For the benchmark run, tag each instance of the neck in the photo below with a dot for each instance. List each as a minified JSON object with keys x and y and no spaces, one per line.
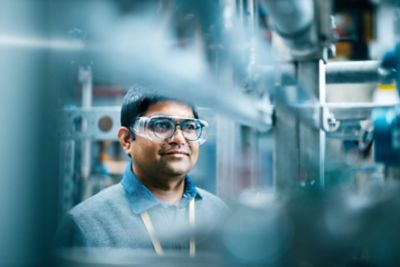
{"x":165,"y":188}
{"x":171,"y":194}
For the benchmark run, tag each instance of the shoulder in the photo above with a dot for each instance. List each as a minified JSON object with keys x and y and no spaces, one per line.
{"x":96,"y":220}
{"x":102,"y":202}
{"x":212,"y":211}
{"x":212,"y":200}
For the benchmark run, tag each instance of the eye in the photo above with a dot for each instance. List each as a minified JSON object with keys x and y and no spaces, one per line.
{"x":190,"y":125}
{"x":161,"y":125}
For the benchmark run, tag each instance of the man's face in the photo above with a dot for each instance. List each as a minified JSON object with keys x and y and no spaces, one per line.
{"x":171,"y":157}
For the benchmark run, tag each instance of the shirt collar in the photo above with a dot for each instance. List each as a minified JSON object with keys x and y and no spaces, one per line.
{"x":140,"y":197}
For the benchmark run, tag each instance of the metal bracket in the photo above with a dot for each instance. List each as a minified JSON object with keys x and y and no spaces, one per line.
{"x":95,"y":123}
{"x":329,"y":122}
{"x":348,"y":121}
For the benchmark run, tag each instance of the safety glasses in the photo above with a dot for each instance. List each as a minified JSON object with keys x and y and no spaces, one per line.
{"x":158,"y":128}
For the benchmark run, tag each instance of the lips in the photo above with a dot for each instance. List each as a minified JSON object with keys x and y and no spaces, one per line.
{"x":175,"y":152}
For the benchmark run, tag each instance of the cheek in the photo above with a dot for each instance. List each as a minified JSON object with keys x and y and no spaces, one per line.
{"x":195,"y":153}
{"x":146,"y":151}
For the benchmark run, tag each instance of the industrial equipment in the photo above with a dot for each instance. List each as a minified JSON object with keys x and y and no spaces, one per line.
{"x":273,"y":117}
{"x":311,"y":182}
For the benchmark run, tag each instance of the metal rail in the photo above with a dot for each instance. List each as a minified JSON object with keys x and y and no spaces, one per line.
{"x":353,"y":111}
{"x":367,"y":71}
{"x":352,"y":72}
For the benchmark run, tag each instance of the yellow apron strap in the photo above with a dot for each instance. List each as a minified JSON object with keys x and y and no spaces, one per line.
{"x":192,"y":218}
{"x":156,"y":243}
{"x":150,"y":230}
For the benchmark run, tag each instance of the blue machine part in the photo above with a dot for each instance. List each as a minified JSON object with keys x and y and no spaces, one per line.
{"x":391,"y":61}
{"x":387,"y":135}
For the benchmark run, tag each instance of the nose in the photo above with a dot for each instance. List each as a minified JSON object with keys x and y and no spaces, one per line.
{"x":178,"y":137}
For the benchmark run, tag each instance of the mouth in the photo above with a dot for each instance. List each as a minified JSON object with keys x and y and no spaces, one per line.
{"x":175,"y":153}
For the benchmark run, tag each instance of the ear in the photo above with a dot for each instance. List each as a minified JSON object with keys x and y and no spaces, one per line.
{"x":125,"y":140}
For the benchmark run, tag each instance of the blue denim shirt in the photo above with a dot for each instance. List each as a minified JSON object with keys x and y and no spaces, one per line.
{"x":111,"y":218}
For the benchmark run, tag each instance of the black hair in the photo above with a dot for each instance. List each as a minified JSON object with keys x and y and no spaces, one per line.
{"x":137,"y":101}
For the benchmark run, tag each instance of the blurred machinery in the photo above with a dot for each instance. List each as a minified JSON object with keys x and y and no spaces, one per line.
{"x":271,"y":94}
{"x":387,"y":122}
{"x":290,"y":99}
{"x":261,"y":69}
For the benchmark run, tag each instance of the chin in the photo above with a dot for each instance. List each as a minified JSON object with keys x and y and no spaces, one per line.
{"x":178,"y":170}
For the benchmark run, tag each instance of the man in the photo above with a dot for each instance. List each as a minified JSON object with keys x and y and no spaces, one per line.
{"x":157,"y":205}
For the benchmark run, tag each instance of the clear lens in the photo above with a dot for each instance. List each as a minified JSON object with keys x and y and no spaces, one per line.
{"x":191,"y":129}
{"x":162,"y":127}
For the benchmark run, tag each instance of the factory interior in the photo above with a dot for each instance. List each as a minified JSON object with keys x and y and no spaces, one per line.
{"x":301,"y":99}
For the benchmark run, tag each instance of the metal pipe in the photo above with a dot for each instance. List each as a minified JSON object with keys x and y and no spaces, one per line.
{"x":367,"y":71}
{"x":293,"y":20}
{"x":353,"y":72}
{"x":198,"y":88}
{"x":290,"y":17}
{"x":231,"y":101}
{"x":85,"y":78}
{"x":353,"y":111}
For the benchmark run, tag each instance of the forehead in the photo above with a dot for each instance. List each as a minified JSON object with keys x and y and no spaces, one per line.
{"x":170,"y":108}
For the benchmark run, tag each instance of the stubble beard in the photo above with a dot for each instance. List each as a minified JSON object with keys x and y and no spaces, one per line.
{"x":176,"y":168}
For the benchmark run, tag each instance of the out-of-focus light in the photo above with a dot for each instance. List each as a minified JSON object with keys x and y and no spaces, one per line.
{"x":228,"y":16}
{"x":259,"y":231}
{"x":32,"y":42}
